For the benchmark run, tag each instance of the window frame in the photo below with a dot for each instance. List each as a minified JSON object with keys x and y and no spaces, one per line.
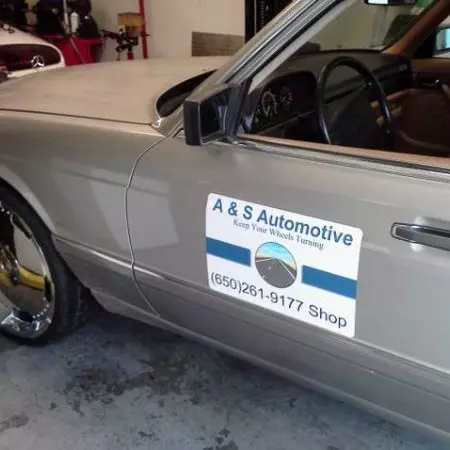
{"x":438,"y":164}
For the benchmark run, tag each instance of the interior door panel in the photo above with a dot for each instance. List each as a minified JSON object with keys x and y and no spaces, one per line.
{"x":421,"y":113}
{"x":432,"y":69}
{"x":424,"y":124}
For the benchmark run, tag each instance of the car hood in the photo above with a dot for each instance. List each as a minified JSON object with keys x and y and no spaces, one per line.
{"x":124,"y":91}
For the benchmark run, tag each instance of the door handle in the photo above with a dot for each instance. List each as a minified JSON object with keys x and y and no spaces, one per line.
{"x":423,"y":235}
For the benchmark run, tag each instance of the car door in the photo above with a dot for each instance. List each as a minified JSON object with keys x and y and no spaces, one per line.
{"x":337,"y":298}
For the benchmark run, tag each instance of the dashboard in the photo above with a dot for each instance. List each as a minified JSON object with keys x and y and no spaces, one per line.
{"x":285,"y":105}
{"x":283,"y":99}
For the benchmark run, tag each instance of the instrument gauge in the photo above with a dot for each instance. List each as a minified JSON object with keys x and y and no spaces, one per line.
{"x":269,"y":104}
{"x":258,"y":118}
{"x":286,"y":97}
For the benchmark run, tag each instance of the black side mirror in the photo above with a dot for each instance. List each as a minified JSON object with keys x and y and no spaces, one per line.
{"x":213,"y":114}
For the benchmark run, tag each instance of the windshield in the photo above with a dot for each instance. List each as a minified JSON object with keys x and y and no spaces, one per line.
{"x":371,"y":26}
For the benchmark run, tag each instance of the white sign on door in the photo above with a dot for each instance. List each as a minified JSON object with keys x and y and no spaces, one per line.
{"x":299,"y":266}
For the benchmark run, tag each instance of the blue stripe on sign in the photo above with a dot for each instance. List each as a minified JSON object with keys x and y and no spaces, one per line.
{"x":228,"y":251}
{"x":329,"y":282}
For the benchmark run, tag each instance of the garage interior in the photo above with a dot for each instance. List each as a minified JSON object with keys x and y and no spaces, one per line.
{"x":118,"y":384}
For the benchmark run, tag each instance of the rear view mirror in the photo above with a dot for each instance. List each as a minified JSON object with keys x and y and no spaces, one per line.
{"x":212,"y":114}
{"x":391,"y":2}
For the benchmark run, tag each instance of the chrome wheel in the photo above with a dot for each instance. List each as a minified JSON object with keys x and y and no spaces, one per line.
{"x":27,"y":291}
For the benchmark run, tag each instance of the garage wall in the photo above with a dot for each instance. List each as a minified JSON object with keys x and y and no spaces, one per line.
{"x":171,"y":22}
{"x":173,"y":37}
{"x":105,"y":13}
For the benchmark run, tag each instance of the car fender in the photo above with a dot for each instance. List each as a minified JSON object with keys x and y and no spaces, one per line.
{"x":15,"y":182}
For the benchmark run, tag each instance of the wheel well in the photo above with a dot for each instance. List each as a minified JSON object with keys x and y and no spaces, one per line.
{"x":32,"y":202}
{"x":6,"y":238}
{"x":4,"y":235}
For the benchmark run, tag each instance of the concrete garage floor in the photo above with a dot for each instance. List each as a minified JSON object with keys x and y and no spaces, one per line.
{"x":121,"y":385}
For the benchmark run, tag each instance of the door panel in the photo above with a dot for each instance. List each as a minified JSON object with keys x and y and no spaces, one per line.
{"x":422,"y":126}
{"x":432,"y":69}
{"x":423,"y":123}
{"x":402,"y":287}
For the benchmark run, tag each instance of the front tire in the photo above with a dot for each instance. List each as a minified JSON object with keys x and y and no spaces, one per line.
{"x":40,"y":299}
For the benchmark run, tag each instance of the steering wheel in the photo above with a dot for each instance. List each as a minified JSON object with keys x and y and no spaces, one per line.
{"x":353,"y":121}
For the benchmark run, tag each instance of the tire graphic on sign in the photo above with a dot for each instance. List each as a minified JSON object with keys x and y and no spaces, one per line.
{"x":276,"y":265}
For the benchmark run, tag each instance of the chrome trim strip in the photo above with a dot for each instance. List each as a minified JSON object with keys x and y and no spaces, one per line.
{"x":422,"y":235}
{"x":143,"y":271}
{"x":92,"y":251}
{"x":108,"y":258}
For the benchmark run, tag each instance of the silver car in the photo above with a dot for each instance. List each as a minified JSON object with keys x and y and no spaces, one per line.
{"x":288,"y":205}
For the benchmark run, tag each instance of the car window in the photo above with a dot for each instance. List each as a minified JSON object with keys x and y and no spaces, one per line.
{"x":372,"y":27}
{"x":280,"y":108}
{"x":442,"y":40}
{"x":18,"y":57}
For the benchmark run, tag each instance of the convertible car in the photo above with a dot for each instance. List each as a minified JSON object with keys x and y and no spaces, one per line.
{"x":289,"y":205}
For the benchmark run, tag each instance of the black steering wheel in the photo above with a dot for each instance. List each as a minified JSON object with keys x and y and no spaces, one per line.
{"x":349,"y":119}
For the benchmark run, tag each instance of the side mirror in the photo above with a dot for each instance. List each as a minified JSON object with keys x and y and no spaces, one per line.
{"x":212,"y":114}
{"x":391,"y":2}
